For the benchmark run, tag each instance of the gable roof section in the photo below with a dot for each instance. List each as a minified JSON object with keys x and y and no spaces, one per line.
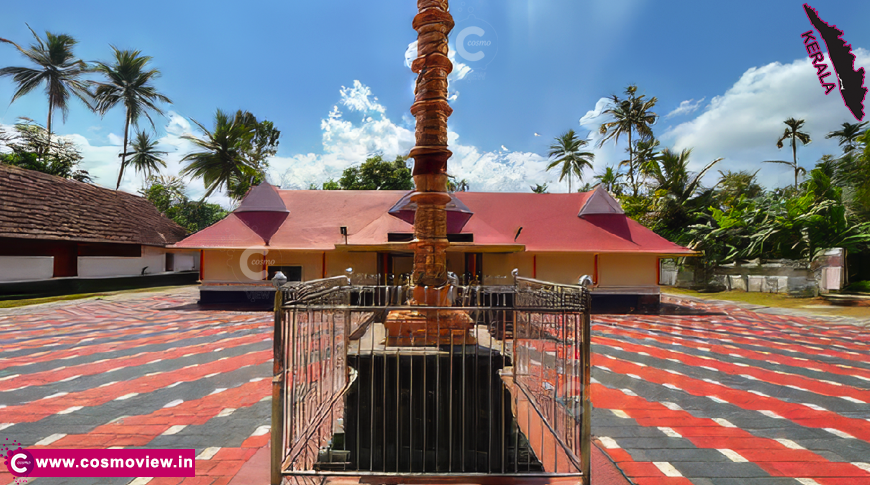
{"x":550,"y":222}
{"x":35,"y":205}
{"x":600,"y":202}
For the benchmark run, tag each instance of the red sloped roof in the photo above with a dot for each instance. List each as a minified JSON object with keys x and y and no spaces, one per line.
{"x":313,"y":222}
{"x":549,"y":223}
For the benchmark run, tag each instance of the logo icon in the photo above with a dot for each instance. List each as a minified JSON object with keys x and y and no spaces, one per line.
{"x":851,"y":80}
{"x":256,"y":258}
{"x":19,"y":462}
{"x":475,"y":42}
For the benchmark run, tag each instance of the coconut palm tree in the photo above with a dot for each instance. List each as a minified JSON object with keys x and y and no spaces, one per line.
{"x":128,"y":83}
{"x":222,"y":159}
{"x":610,"y":180}
{"x":539,"y":189}
{"x":56,"y":67}
{"x":454,"y":185}
{"x":144,"y":156}
{"x":733,"y":185}
{"x":632,"y":114}
{"x":848,"y":134}
{"x":671,"y":174}
{"x":793,"y":134}
{"x":645,"y":154}
{"x":566,"y":151}
{"x":679,"y":194}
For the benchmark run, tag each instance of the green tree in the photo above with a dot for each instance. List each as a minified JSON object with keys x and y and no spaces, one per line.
{"x":167,"y":193}
{"x":56,"y":67}
{"x":454,"y":185}
{"x":30,"y":149}
{"x":853,"y":170}
{"x":793,"y":134}
{"x":774,"y":226}
{"x":848,"y":135}
{"x":232,"y":154}
{"x":645,"y":154}
{"x":678,"y":193}
{"x":375,"y":174}
{"x":164,"y":191}
{"x":566,"y":150}
{"x":672,"y":174}
{"x":264,"y":144}
{"x":632,"y":114}
{"x":610,"y":180}
{"x":128,"y":83}
{"x":145,"y":157}
{"x":734,"y":185}
{"x":539,"y":189}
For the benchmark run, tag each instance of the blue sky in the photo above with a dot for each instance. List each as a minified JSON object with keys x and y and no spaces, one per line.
{"x":333,"y":78}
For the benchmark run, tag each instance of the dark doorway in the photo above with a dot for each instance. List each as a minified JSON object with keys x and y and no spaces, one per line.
{"x":473,"y":269}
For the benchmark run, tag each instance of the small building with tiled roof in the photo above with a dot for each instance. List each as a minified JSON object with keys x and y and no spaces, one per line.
{"x":54,"y":228}
{"x":310,"y":234}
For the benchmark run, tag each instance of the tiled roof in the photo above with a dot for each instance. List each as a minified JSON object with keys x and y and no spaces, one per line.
{"x":549,"y":222}
{"x":35,"y":205}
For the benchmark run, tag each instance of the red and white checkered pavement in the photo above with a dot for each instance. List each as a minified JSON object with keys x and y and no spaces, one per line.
{"x":725,"y":397}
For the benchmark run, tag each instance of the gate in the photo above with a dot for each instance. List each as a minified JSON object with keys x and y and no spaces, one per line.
{"x":356,"y":395}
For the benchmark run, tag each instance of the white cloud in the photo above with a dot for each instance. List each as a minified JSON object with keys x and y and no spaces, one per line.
{"x":498,"y":171}
{"x":348,"y":138}
{"x":359,"y":98}
{"x":593,"y":118}
{"x":115,"y":139}
{"x":353,"y":130}
{"x":686,"y":107}
{"x":744,"y":123}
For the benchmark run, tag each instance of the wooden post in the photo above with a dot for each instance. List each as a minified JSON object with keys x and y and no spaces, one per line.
{"x":431,"y":109}
{"x":278,"y":382}
{"x":586,"y":424}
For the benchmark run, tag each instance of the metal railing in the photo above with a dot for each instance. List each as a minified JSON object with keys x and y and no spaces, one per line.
{"x":365,"y":384}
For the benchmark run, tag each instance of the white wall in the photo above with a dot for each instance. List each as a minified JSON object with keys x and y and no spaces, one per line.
{"x":98,"y":266}
{"x":25,"y":268}
{"x":186,"y":261}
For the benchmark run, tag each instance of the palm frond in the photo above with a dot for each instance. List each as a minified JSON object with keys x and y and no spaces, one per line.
{"x":56,"y":67}
{"x":128,"y":83}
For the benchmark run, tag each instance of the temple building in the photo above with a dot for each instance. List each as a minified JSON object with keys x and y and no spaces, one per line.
{"x":61,"y":236}
{"x":311,"y":234}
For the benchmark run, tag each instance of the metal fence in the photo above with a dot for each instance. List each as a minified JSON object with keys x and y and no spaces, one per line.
{"x":496,"y":385}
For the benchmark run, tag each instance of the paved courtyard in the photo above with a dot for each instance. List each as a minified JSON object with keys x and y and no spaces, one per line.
{"x":721,"y":396}
{"x":733,"y":397}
